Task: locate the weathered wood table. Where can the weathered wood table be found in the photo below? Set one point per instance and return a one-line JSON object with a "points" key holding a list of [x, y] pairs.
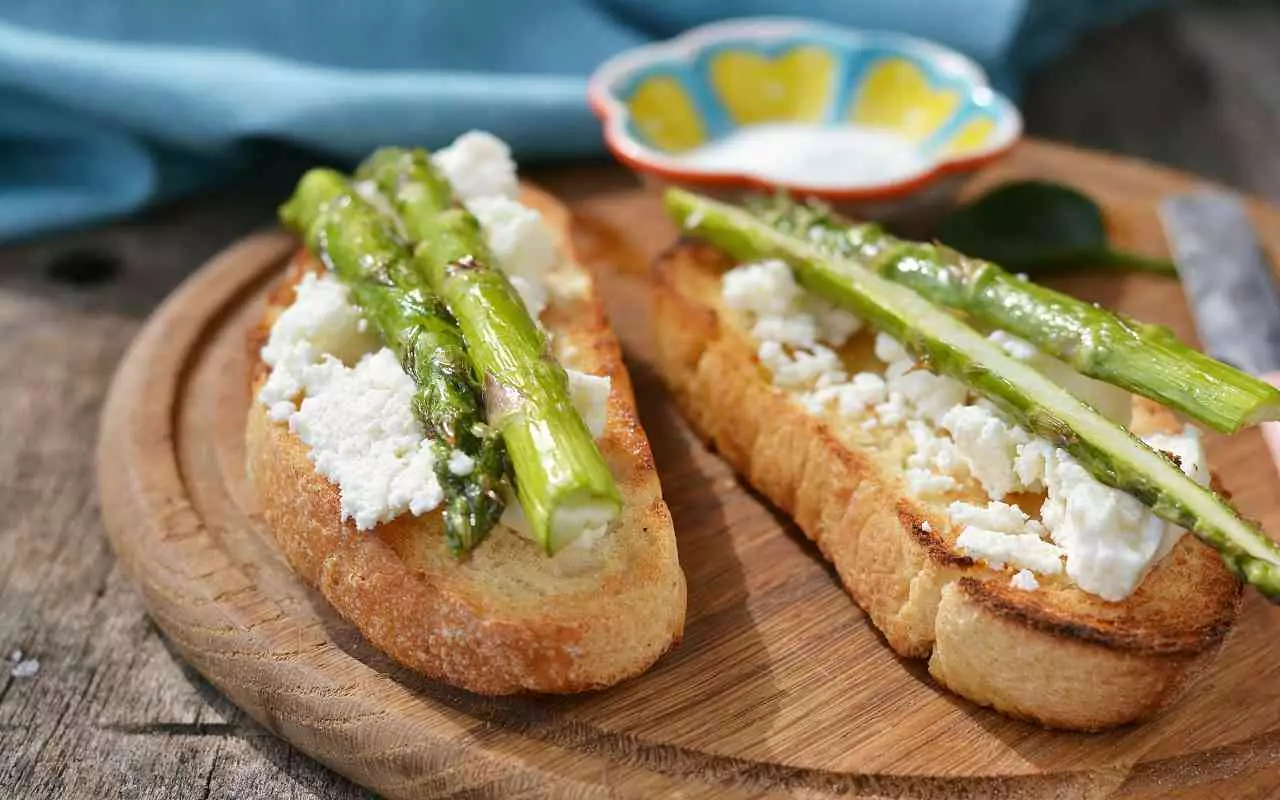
{"points": [[109, 710]]}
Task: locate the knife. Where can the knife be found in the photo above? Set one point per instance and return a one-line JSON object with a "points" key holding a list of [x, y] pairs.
{"points": [[1229, 284]]}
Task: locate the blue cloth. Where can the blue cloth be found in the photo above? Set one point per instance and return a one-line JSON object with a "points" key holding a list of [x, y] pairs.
{"points": [[107, 106]]}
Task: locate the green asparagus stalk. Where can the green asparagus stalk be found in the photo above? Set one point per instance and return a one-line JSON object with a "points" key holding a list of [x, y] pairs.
{"points": [[1143, 359], [364, 251], [562, 480], [947, 345]]}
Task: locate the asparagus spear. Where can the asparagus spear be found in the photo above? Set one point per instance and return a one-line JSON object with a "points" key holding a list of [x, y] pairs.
{"points": [[947, 345], [1144, 359], [562, 481], [363, 250]]}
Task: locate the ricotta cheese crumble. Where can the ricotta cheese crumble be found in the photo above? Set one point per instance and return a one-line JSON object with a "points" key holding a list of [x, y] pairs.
{"points": [[1025, 580], [350, 403], [347, 398], [478, 164], [960, 445]]}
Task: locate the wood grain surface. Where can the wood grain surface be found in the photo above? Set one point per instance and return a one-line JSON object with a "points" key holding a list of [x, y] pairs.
{"points": [[780, 687], [113, 711]]}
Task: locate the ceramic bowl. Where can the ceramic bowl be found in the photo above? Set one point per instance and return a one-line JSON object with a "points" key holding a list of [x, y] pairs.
{"points": [[664, 104]]}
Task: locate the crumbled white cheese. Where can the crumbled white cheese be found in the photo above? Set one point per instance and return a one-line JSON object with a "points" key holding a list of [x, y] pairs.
{"points": [[362, 435], [590, 395], [781, 311], [516, 235], [923, 483], [793, 329], [863, 391], [357, 422], [932, 395], [800, 369], [460, 463], [835, 324], [926, 527], [1025, 580], [321, 320], [818, 365], [26, 668], [866, 389], [889, 350], [933, 452], [532, 293], [988, 445], [893, 411], [798, 330], [994, 516], [819, 399], [1110, 537], [1021, 550], [1032, 463], [1003, 533], [765, 288], [478, 164]]}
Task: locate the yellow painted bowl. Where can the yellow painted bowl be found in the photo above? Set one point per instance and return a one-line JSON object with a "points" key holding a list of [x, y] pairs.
{"points": [[877, 121]]}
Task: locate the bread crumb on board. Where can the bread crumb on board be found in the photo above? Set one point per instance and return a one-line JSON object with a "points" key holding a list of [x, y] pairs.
{"points": [[20, 667]]}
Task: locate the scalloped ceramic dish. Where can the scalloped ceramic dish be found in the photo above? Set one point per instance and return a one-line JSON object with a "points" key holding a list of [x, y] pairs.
{"points": [[819, 110]]}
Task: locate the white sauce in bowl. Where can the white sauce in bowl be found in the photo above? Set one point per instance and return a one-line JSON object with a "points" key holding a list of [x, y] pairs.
{"points": [[804, 154]]}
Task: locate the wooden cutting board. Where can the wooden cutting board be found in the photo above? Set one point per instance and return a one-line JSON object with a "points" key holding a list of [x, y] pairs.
{"points": [[781, 686]]}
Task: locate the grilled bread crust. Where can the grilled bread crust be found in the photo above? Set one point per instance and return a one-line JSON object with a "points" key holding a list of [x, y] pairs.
{"points": [[1057, 656], [507, 618]]}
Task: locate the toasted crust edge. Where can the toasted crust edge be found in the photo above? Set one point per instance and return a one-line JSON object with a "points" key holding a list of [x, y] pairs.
{"points": [[446, 624], [996, 646]]}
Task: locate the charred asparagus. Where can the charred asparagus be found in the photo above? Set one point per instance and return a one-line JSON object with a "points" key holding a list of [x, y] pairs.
{"points": [[1143, 359], [363, 249], [562, 481]]}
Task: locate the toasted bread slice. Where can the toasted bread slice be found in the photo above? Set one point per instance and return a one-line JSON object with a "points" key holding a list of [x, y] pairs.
{"points": [[508, 618], [1057, 655]]}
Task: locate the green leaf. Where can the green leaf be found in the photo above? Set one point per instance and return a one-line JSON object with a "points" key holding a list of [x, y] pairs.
{"points": [[1036, 225]]}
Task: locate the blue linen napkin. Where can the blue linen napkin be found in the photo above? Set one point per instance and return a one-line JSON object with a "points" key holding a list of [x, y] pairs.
{"points": [[108, 106]]}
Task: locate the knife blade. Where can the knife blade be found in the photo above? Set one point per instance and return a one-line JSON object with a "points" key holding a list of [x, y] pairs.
{"points": [[1229, 283]]}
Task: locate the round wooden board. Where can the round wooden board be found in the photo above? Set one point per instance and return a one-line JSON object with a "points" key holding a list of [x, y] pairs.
{"points": [[780, 686]]}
